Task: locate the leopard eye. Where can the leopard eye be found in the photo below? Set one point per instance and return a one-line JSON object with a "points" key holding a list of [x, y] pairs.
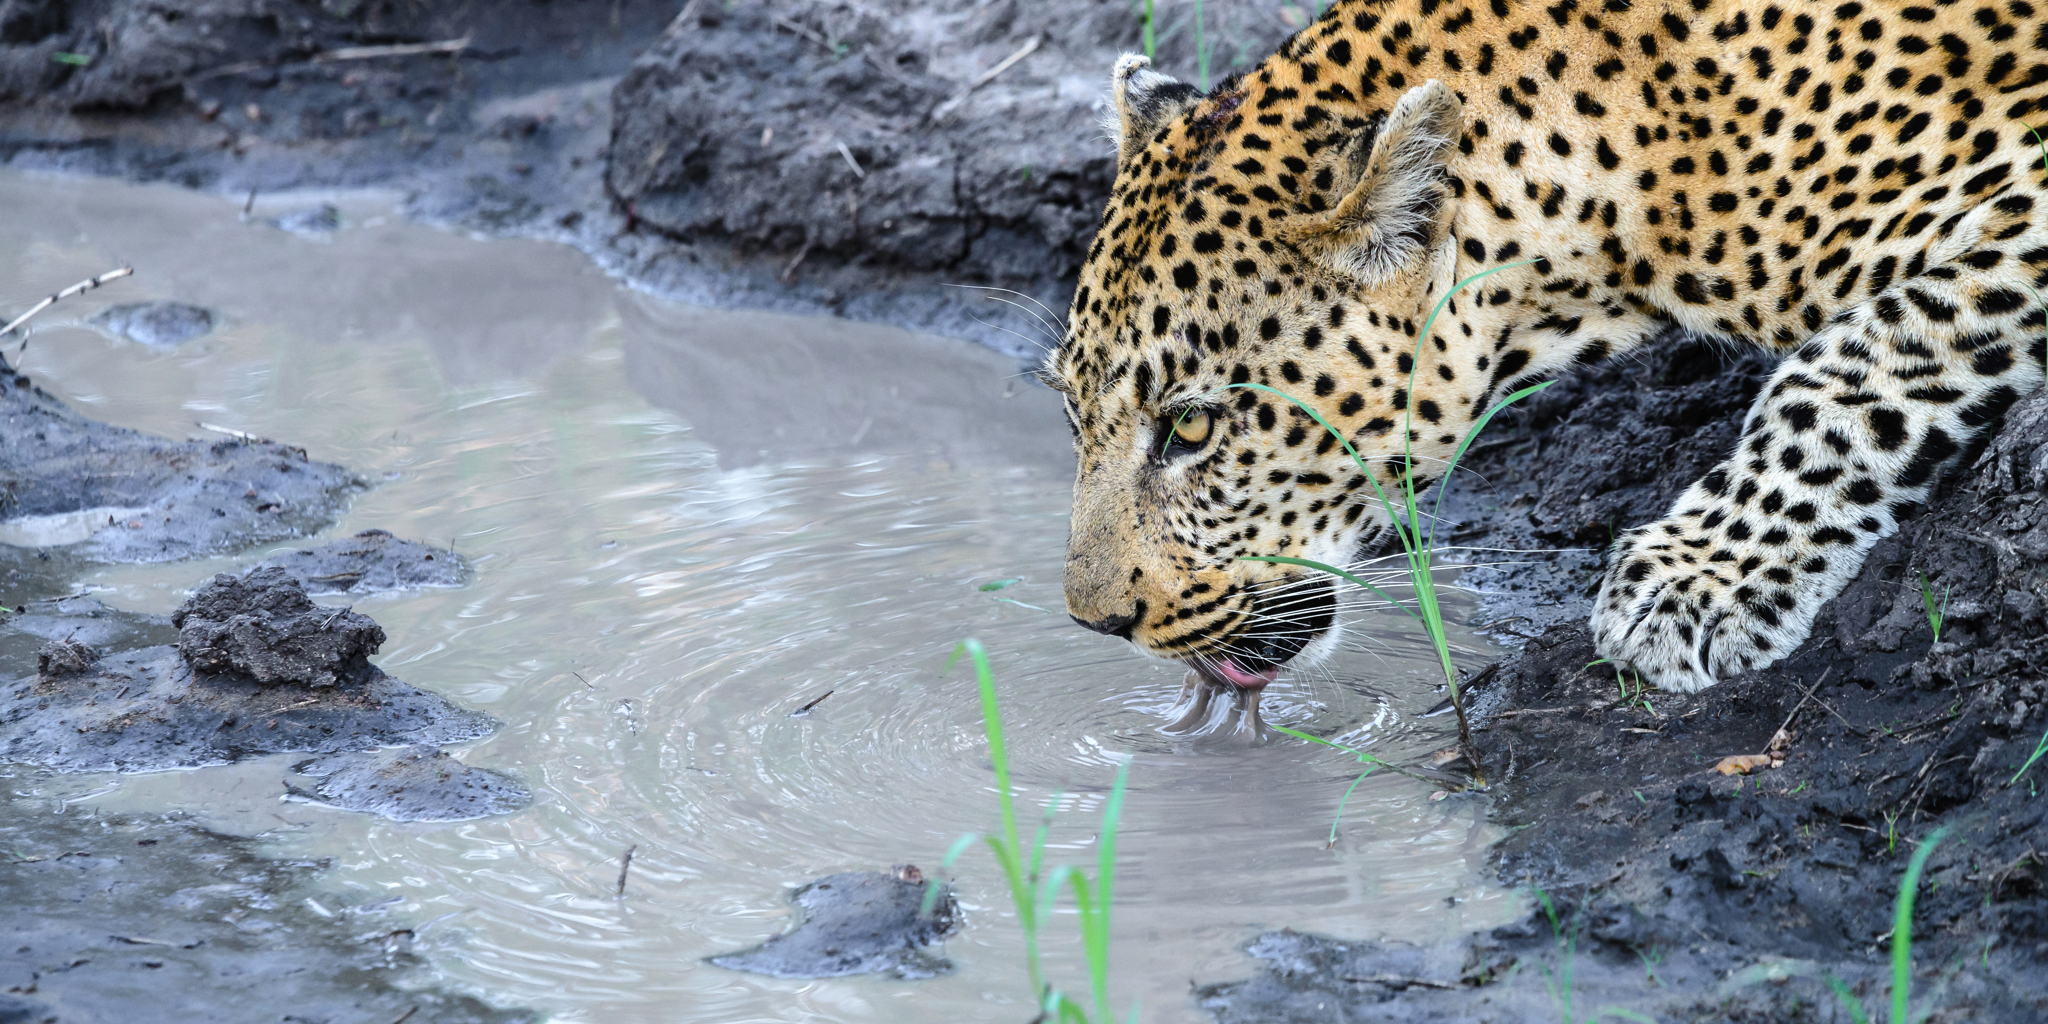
{"points": [[1191, 430]]}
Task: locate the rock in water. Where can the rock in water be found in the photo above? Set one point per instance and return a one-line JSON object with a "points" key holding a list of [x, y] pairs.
{"points": [[856, 922], [64, 657], [257, 668], [370, 561], [156, 324], [418, 783], [265, 627]]}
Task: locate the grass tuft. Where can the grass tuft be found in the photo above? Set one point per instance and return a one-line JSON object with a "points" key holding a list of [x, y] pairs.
{"points": [[1418, 543], [1936, 612], [1033, 889]]}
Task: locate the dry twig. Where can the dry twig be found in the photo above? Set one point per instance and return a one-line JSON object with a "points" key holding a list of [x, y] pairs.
{"points": [[1030, 46], [625, 865], [83, 286]]}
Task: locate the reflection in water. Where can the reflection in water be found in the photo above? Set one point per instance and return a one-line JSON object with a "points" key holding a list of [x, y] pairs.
{"points": [[687, 525]]}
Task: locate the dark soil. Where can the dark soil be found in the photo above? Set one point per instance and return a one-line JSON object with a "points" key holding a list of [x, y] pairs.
{"points": [[156, 324], [419, 783], [369, 562], [856, 922], [1693, 896], [256, 669], [167, 500], [142, 919], [264, 627], [667, 147]]}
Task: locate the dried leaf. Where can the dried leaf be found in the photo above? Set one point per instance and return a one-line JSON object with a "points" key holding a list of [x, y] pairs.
{"points": [[1741, 764], [1446, 755]]}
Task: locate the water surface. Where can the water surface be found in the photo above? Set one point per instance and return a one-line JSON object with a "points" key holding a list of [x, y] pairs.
{"points": [[687, 524]]}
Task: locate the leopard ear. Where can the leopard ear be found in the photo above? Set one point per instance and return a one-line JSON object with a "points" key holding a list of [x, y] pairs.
{"points": [[1145, 100], [1394, 214]]}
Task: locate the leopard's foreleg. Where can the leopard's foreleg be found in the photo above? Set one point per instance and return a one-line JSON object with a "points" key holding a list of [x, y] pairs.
{"points": [[1845, 441]]}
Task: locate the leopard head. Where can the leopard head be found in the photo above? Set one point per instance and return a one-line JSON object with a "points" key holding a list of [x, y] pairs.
{"points": [[1251, 268]]}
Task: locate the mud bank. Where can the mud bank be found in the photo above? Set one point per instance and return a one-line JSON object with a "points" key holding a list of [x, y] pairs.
{"points": [[1693, 896], [107, 494], [147, 919], [933, 142]]}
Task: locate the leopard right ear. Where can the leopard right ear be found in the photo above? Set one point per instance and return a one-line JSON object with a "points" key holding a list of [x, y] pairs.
{"points": [[1145, 101], [1395, 213]]}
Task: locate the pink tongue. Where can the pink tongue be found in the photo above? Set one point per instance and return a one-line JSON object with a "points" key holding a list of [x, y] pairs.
{"points": [[1227, 668]]}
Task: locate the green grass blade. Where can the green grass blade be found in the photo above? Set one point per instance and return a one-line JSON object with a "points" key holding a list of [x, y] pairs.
{"points": [[931, 888], [1415, 366], [1847, 999], [1472, 435], [2039, 749], [1096, 922], [1902, 927], [992, 723], [1346, 798]]}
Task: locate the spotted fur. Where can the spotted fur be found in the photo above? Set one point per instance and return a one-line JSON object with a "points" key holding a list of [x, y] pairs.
{"points": [[1852, 185]]}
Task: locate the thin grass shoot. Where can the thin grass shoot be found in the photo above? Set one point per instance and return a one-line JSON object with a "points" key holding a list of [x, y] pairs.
{"points": [[1936, 611], [1034, 890], [1418, 544]]}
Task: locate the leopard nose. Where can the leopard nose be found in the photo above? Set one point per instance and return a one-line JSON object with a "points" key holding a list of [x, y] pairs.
{"points": [[1118, 626]]}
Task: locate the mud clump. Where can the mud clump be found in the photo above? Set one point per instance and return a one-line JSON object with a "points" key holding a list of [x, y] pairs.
{"points": [[165, 500], [156, 324], [257, 668], [371, 561], [856, 922], [64, 657], [419, 783], [263, 626]]}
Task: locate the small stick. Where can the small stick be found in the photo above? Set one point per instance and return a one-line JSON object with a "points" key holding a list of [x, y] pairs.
{"points": [[83, 286], [625, 865], [399, 50], [407, 1017], [1775, 743], [249, 206], [986, 77], [806, 708], [239, 435], [850, 162], [578, 675], [345, 53]]}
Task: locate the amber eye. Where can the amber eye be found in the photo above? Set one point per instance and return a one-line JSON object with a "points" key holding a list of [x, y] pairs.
{"points": [[1191, 429]]}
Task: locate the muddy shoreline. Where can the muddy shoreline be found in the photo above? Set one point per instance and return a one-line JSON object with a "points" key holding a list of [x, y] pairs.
{"points": [[1690, 895], [1680, 893], [662, 138], [247, 666]]}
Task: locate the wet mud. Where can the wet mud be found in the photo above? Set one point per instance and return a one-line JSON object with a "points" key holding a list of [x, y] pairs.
{"points": [[370, 562], [136, 918], [158, 919], [1690, 895], [857, 922], [944, 142], [162, 500], [419, 783], [156, 324], [257, 668]]}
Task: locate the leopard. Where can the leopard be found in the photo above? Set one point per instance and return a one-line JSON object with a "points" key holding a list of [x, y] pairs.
{"points": [[1311, 280]]}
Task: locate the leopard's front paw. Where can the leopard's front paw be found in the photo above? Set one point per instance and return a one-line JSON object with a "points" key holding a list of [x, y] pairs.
{"points": [[1685, 612]]}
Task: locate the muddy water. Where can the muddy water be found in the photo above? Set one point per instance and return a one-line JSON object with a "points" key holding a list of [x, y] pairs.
{"points": [[686, 525]]}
